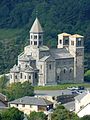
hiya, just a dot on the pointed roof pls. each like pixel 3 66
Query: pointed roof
pixel 36 27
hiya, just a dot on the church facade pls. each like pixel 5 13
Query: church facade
pixel 43 66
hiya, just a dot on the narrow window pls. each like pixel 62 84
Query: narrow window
pixel 79 43
pixel 29 77
pixel 39 36
pixel 35 42
pixel 31 42
pixel 41 66
pixel 64 71
pixel 25 77
pixel 21 75
pixel 11 76
pixel 57 77
pixel 16 77
pixel 17 105
pixel 40 42
pixel 35 75
pixel 72 42
pixel 31 36
pixel 60 41
pixel 35 36
pixel 50 66
pixel 23 105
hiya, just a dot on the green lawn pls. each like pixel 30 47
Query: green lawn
pixel 9 33
pixel 60 87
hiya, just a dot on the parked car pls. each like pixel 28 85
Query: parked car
pixel 72 88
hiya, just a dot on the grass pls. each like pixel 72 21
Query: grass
pixel 9 33
pixel 61 86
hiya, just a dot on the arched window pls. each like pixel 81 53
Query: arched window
pixel 64 70
pixel 35 36
pixel 70 70
pixel 60 41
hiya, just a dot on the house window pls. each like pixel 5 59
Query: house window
pixel 60 41
pixel 35 36
pixel 20 75
pixel 72 42
pixel 50 66
pixel 23 105
pixel 17 105
pixel 35 42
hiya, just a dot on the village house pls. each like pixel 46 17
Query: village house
pixel 29 104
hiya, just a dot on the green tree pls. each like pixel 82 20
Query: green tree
pixel 12 114
pixel 60 113
pixel 18 90
pixel 37 116
pixel 86 117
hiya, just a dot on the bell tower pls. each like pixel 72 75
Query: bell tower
pixel 36 34
pixel 76 48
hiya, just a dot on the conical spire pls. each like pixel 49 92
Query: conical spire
pixel 36 27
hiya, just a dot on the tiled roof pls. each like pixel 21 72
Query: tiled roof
pixel 79 97
pixel 31 101
pixel 43 48
pixel 15 69
pixel 60 53
pixel 25 57
pixel 36 27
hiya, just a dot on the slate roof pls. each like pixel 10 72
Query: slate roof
pixel 79 97
pixel 43 48
pixel 31 101
pixel 15 69
pixel 29 69
pixel 46 58
pixel 25 57
pixel 60 53
pixel 36 27
pixel 70 106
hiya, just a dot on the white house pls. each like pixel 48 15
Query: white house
pixel 29 104
pixel 82 104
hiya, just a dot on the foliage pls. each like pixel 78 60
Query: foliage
pixel 37 116
pixel 61 86
pixel 87 76
pixel 60 113
pixel 18 90
pixel 11 114
pixel 86 117
pixel 3 82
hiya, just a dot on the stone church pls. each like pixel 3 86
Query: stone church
pixel 42 66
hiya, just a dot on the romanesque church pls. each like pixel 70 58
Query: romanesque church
pixel 42 66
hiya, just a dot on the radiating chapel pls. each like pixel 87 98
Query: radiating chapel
pixel 42 66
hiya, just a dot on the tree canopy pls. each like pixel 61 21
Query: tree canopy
pixel 11 114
